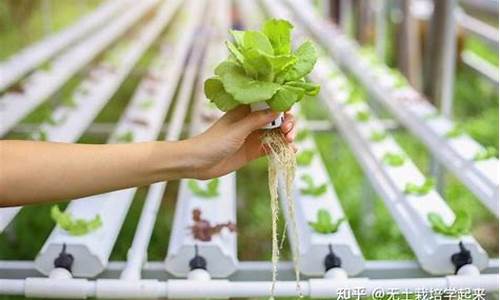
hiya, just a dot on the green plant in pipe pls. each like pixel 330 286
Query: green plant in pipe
pixel 486 153
pixel 211 190
pixel 126 137
pixel 460 226
pixel 394 159
pixel 146 104
pixel 324 223
pixel 420 190
pixel 311 188
pixel 69 102
pixel 74 226
pixel 378 136
pixel 455 132
pixel 263 68
pixel 305 157
pixel 363 116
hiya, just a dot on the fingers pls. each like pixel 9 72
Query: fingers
pixel 235 114
pixel 253 121
pixel 288 127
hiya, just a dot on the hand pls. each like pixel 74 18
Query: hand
pixel 234 140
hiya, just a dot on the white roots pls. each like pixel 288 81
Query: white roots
pixel 281 164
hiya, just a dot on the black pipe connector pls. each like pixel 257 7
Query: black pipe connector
pixel 197 262
pixel 331 260
pixel 461 258
pixel 64 260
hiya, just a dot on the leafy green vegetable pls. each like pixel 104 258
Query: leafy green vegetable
pixel 363 116
pixel 125 137
pixel 210 191
pixel 456 131
pixel 486 153
pixel 420 190
pixel 459 227
pixel 305 157
pixel 324 223
pixel 378 136
pixel 146 104
pixel 312 189
pixel 394 160
pixel 74 227
pixel 262 67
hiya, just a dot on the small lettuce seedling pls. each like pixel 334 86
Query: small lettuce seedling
pixel 393 159
pixel 146 104
pixel 378 136
pixel 485 154
pixel 125 137
pixel 420 190
pixel 74 226
pixel 324 223
pixel 311 188
pixel 363 116
pixel 461 225
pixel 455 132
pixel 210 191
pixel 263 68
pixel 305 157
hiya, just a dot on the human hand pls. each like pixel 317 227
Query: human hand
pixel 233 141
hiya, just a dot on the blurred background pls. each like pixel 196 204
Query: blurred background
pixel 406 34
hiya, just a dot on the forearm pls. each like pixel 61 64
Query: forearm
pixel 32 172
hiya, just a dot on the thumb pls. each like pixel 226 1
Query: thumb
pixel 254 120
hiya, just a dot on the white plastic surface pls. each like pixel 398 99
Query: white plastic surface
pixel 91 251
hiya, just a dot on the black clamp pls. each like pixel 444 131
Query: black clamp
pixel 331 260
pixel 197 262
pixel 64 260
pixel 461 258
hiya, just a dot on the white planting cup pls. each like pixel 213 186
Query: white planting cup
pixel 263 106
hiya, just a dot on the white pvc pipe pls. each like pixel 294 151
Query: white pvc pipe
pixel 137 253
pixel 315 288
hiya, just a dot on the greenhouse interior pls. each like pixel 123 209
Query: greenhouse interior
pixel 257 149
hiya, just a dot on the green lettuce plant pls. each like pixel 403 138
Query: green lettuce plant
pixel 394 159
pixel 311 188
pixel 263 67
pixel 363 116
pixel 455 132
pixel 460 226
pixel 210 191
pixel 486 153
pixel 125 137
pixel 74 226
pixel 305 157
pixel 324 223
pixel 378 136
pixel 420 190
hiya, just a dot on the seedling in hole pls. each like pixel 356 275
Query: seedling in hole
pixel 363 116
pixel 125 137
pixel 210 191
pixel 378 136
pixel 461 225
pixel 456 131
pixel 302 135
pixel 394 160
pixel 69 102
pixel 324 223
pixel 146 104
pixel 74 226
pixel 485 154
pixel 305 157
pixel 311 188
pixel 203 231
pixel 420 190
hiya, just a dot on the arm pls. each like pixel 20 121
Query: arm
pixel 35 172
